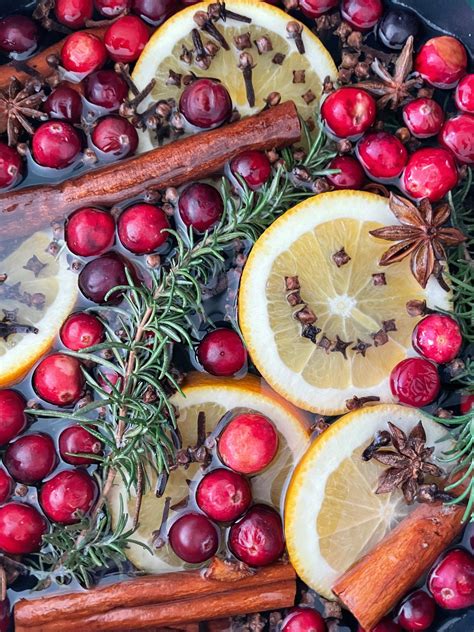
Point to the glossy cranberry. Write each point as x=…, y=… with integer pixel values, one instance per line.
x=73, y=13
x=67, y=496
x=382, y=155
x=351, y=174
x=81, y=330
x=221, y=352
x=83, y=52
x=10, y=166
x=430, y=173
x=415, y=382
x=64, y=103
x=451, y=582
x=100, y=276
x=58, y=379
x=437, y=337
x=18, y=34
x=56, y=144
x=257, y=539
x=362, y=14
x=21, y=529
x=349, y=112
x=105, y=88
x=385, y=625
x=467, y=404
x=31, y=458
x=194, y=538
x=442, y=61
x=77, y=440
x=223, y=495
x=200, y=206
x=142, y=228
x=464, y=95
x=6, y=486
x=12, y=415
x=112, y=8
x=206, y=103
x=108, y=378
x=423, y=117
x=154, y=11
x=396, y=27
x=115, y=135
x=303, y=619
x=253, y=166
x=315, y=8
x=90, y=232
x=417, y=611
x=458, y=136
x=126, y=38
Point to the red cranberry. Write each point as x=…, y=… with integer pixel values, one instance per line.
x=18, y=34
x=349, y=112
x=222, y=352
x=5, y=618
x=154, y=11
x=253, y=166
x=362, y=14
x=200, y=206
x=58, y=379
x=64, y=103
x=12, y=415
x=223, y=495
x=21, y=529
x=458, y=136
x=6, y=486
x=430, y=173
x=257, y=539
x=194, y=538
x=10, y=166
x=90, y=232
x=382, y=155
x=467, y=404
x=105, y=88
x=115, y=135
x=67, y=496
x=464, y=95
x=78, y=440
x=351, y=174
x=315, y=8
x=415, y=382
x=107, y=378
x=417, y=611
x=385, y=625
x=142, y=228
x=442, y=61
x=126, y=38
x=100, y=276
x=73, y=13
x=81, y=330
x=451, y=582
x=206, y=103
x=31, y=458
x=437, y=337
x=303, y=619
x=423, y=117
x=112, y=8
x=56, y=144
x=83, y=52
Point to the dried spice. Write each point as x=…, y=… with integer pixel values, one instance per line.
x=380, y=338
x=9, y=327
x=359, y=402
x=379, y=278
x=340, y=258
x=246, y=65
x=227, y=570
x=416, y=307
x=389, y=325
x=339, y=346
x=294, y=30
x=34, y=265
x=18, y=105
x=311, y=332
x=361, y=347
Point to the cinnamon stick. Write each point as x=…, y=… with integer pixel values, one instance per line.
x=23, y=211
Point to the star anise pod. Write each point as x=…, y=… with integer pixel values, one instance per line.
x=420, y=234
x=18, y=104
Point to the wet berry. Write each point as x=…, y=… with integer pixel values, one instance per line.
x=442, y=61
x=430, y=173
x=200, y=206
x=18, y=34
x=257, y=539
x=303, y=619
x=73, y=13
x=205, y=103
x=100, y=276
x=385, y=625
x=253, y=166
x=83, y=53
x=108, y=378
x=451, y=582
x=194, y=538
x=382, y=155
x=351, y=174
x=396, y=27
x=77, y=440
x=112, y=8
x=64, y=103
x=116, y=136
x=13, y=419
x=415, y=382
x=126, y=38
x=81, y=330
x=362, y=14
x=21, y=529
x=105, y=88
x=56, y=144
x=458, y=136
x=10, y=166
x=223, y=495
x=58, y=379
x=437, y=337
x=68, y=496
x=417, y=611
x=423, y=117
x=142, y=228
x=31, y=458
x=6, y=486
x=464, y=95
x=90, y=232
x=222, y=352
x=154, y=11
x=349, y=112
x=315, y=8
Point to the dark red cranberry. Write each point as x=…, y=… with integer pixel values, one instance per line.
x=105, y=88
x=442, y=61
x=396, y=27
x=18, y=34
x=115, y=135
x=126, y=38
x=417, y=611
x=154, y=11
x=90, y=232
x=5, y=618
x=249, y=443
x=10, y=166
x=81, y=330
x=64, y=103
x=423, y=117
x=458, y=136
x=437, y=337
x=222, y=352
x=430, y=173
x=223, y=495
x=464, y=95
x=303, y=619
x=315, y=8
x=100, y=276
x=385, y=625
x=67, y=496
x=56, y=144
x=78, y=440
x=451, y=582
x=83, y=52
x=349, y=112
x=31, y=458
x=73, y=13
x=253, y=166
x=21, y=529
x=58, y=379
x=6, y=486
x=257, y=539
x=200, y=206
x=362, y=14
x=467, y=404
x=142, y=228
x=382, y=155
x=351, y=174
x=415, y=382
x=12, y=415
x=112, y=8
x=206, y=103
x=194, y=538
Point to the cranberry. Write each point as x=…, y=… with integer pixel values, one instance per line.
x=223, y=495
x=142, y=228
x=78, y=440
x=56, y=144
x=100, y=276
x=154, y=11
x=464, y=95
x=112, y=8
x=351, y=174
x=18, y=34
x=221, y=352
x=467, y=404
x=437, y=337
x=257, y=539
x=126, y=38
x=385, y=625
x=58, y=379
x=349, y=112
x=430, y=173
x=64, y=103
x=253, y=166
x=451, y=582
x=458, y=136
x=382, y=155
x=417, y=611
x=115, y=135
x=303, y=619
x=396, y=27
x=249, y=443
x=68, y=495
x=21, y=529
x=415, y=382
x=206, y=103
x=105, y=88
x=81, y=330
x=6, y=486
x=89, y=232
x=10, y=166
x=200, y=206
x=107, y=379
x=362, y=14
x=194, y=538
x=315, y=8
x=12, y=415
x=442, y=61
x=73, y=13
x=423, y=117
x=83, y=52
x=31, y=458
x=5, y=618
